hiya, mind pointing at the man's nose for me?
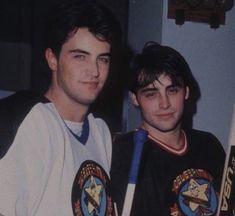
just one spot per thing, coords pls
(164, 101)
(94, 69)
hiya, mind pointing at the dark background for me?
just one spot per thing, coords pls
(22, 22)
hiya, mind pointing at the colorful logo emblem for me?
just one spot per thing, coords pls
(196, 194)
(91, 191)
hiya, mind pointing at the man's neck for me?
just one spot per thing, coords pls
(67, 108)
(174, 139)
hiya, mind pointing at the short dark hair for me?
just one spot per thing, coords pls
(68, 16)
(155, 60)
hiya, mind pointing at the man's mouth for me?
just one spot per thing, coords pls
(91, 84)
(165, 115)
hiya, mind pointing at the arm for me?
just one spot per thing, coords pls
(22, 168)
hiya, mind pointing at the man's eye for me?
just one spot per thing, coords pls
(104, 60)
(80, 57)
(173, 90)
(150, 94)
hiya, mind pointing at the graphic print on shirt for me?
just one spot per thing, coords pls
(91, 191)
(195, 194)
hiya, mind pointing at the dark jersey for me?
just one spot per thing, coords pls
(170, 184)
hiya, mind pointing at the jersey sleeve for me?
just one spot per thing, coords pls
(25, 166)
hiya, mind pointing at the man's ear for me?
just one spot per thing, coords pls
(187, 93)
(133, 99)
(51, 59)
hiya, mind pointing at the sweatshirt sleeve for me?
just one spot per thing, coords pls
(25, 167)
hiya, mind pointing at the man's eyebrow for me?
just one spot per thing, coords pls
(88, 53)
(108, 54)
(79, 51)
(148, 89)
(174, 86)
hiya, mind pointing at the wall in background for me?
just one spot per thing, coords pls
(15, 47)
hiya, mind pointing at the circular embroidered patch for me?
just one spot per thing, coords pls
(196, 193)
(198, 197)
(91, 191)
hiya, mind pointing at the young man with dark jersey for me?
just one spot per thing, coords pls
(55, 155)
(180, 169)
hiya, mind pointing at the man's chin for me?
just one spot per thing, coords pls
(167, 129)
(89, 102)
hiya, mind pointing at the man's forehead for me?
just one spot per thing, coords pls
(156, 84)
(83, 40)
(163, 80)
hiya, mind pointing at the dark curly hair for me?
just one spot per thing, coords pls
(155, 60)
(68, 16)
